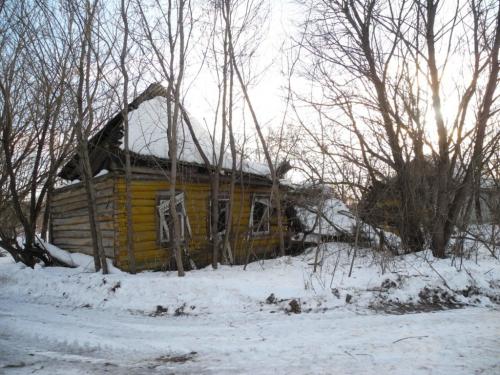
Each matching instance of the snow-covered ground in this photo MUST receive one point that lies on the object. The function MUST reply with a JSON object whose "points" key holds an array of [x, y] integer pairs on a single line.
{"points": [[392, 316]]}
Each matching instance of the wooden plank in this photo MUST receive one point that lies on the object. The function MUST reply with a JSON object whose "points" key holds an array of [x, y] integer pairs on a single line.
{"points": [[83, 225], [79, 219], [82, 241], [149, 171], [106, 203], [149, 186], [151, 218], [202, 183], [82, 208], [143, 199], [139, 236], [151, 246], [81, 233], [121, 218], [81, 196], [101, 211], [161, 252], [139, 211], [151, 237], [108, 197], [83, 219], [147, 264], [143, 245], [70, 191], [140, 227], [78, 204], [143, 255]]}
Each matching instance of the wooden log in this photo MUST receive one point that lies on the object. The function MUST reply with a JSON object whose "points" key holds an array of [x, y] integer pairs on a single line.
{"points": [[83, 225], [82, 242], [70, 191], [79, 219], [101, 211], [80, 196], [81, 233], [105, 203]]}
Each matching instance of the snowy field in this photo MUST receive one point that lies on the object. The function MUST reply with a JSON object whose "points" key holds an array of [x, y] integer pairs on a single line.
{"points": [[407, 315]]}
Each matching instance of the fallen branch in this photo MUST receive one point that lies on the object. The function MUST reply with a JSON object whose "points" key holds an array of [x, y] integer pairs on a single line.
{"points": [[409, 337], [437, 273]]}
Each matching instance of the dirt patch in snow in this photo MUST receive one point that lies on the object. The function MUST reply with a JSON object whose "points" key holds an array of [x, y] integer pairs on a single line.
{"points": [[433, 299], [182, 358]]}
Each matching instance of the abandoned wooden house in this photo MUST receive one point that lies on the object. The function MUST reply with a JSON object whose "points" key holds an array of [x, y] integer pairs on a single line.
{"points": [[254, 225], [380, 204]]}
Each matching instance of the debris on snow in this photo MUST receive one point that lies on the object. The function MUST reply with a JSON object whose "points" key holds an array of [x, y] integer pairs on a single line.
{"points": [[376, 283], [271, 300], [88, 328], [294, 307]]}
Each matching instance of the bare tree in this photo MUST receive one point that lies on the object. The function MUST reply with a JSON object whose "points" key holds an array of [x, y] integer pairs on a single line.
{"points": [[128, 173], [251, 11], [34, 69], [167, 39], [92, 97], [380, 68]]}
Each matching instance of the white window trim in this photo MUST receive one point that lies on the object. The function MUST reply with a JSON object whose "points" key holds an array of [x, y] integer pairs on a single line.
{"points": [[163, 208], [267, 200]]}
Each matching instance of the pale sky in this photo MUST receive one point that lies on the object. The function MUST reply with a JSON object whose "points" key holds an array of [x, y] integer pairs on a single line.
{"points": [[267, 93]]}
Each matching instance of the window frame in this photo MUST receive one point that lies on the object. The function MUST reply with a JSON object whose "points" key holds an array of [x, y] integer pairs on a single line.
{"points": [[164, 196], [254, 200], [222, 197]]}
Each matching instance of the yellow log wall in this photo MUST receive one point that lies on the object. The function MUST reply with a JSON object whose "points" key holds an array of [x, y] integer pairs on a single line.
{"points": [[150, 255]]}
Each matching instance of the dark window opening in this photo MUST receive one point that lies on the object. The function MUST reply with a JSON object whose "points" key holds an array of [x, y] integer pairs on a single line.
{"points": [[260, 214]]}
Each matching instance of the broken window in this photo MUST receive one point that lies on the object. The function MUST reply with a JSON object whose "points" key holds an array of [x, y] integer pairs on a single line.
{"points": [[166, 224], [223, 203], [260, 214]]}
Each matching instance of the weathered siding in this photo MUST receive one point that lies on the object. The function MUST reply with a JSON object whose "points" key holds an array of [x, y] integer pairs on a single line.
{"points": [[70, 227], [149, 254]]}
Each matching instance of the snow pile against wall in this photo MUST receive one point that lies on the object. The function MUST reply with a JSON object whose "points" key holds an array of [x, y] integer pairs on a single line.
{"points": [[148, 136], [85, 263], [77, 260]]}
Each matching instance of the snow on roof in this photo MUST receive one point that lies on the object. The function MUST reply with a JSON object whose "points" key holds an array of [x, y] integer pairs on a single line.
{"points": [[148, 136], [336, 218]]}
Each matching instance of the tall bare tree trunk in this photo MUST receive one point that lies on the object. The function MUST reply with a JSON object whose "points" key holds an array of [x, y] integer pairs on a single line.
{"points": [[275, 193], [84, 68], [128, 171], [95, 230], [174, 86], [438, 238], [232, 143]]}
